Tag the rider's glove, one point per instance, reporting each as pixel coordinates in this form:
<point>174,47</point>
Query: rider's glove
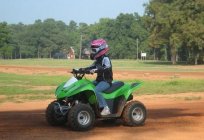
<point>92,71</point>
<point>82,69</point>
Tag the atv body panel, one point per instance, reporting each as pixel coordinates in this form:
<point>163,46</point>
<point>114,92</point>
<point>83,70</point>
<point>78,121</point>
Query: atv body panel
<point>116,96</point>
<point>77,103</point>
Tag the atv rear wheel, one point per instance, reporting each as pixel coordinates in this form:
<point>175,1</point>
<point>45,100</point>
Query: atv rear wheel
<point>81,117</point>
<point>134,114</point>
<point>53,118</point>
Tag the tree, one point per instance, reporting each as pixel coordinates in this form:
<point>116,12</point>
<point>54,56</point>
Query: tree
<point>170,24</point>
<point>121,34</point>
<point>6,50</point>
<point>193,28</point>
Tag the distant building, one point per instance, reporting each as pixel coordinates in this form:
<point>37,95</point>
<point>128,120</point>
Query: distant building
<point>86,54</point>
<point>71,54</point>
<point>59,55</point>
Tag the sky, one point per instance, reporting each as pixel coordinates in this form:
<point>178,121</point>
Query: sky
<point>87,11</point>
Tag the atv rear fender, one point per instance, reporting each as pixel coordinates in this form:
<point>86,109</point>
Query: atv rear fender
<point>132,88</point>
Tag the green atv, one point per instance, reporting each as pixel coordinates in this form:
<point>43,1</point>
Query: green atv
<point>77,104</point>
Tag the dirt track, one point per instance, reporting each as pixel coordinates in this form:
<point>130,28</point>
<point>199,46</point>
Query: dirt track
<point>169,118</point>
<point>118,74</point>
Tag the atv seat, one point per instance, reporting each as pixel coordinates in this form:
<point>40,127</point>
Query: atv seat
<point>114,87</point>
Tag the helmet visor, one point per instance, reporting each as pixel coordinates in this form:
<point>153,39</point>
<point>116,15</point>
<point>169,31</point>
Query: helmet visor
<point>95,50</point>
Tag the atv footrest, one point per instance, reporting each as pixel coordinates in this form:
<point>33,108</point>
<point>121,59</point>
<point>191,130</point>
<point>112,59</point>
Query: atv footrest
<point>110,116</point>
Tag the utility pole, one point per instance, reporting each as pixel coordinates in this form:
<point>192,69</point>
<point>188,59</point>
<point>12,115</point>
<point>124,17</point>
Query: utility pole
<point>166,57</point>
<point>80,47</point>
<point>20,51</point>
<point>38,51</point>
<point>137,48</point>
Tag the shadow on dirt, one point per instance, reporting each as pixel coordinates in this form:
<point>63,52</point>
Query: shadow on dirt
<point>36,118</point>
<point>167,63</point>
<point>32,125</point>
<point>170,112</point>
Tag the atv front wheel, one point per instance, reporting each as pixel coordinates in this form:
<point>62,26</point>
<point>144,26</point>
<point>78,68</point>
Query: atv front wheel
<point>134,114</point>
<point>54,118</point>
<point>81,117</point>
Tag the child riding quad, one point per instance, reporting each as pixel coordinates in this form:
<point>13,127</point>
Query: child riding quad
<point>80,102</point>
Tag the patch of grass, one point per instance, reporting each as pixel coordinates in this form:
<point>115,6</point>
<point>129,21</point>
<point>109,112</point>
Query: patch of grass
<point>55,63</point>
<point>191,98</point>
<point>37,97</point>
<point>172,83</point>
<point>11,98</point>
<point>2,100</point>
<point>19,88</point>
<point>32,80</point>
<point>171,86</point>
<point>127,64</point>
<point>24,98</point>
<point>12,85</point>
<point>15,90</point>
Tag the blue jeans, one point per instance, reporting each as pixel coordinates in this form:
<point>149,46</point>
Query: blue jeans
<point>101,86</point>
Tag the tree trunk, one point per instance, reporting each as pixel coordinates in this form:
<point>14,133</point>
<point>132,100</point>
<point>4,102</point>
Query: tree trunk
<point>38,53</point>
<point>173,55</point>
<point>20,54</point>
<point>166,55</point>
<point>50,55</point>
<point>196,59</point>
<point>173,59</point>
<point>15,55</point>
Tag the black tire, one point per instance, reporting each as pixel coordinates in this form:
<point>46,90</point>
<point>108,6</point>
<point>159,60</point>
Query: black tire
<point>81,117</point>
<point>52,117</point>
<point>134,114</point>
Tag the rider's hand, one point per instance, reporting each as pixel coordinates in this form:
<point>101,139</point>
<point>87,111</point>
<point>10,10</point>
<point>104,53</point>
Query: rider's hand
<point>82,69</point>
<point>92,71</point>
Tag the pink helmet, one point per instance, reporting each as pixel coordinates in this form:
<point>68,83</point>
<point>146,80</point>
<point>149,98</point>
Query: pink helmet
<point>99,47</point>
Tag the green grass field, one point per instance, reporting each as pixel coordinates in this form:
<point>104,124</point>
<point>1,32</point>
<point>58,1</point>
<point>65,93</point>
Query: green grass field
<point>19,88</point>
<point>117,64</point>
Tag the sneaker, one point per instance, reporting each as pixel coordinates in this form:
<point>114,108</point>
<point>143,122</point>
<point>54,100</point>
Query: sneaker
<point>105,111</point>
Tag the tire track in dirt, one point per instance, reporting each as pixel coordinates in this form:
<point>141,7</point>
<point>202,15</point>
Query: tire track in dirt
<point>167,119</point>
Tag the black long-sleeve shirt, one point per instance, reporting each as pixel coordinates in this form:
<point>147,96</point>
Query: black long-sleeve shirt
<point>103,68</point>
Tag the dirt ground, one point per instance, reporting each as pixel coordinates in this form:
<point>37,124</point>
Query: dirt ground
<point>170,117</point>
<point>118,74</point>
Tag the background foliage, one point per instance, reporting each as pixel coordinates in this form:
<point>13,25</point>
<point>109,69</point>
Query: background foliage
<point>171,30</point>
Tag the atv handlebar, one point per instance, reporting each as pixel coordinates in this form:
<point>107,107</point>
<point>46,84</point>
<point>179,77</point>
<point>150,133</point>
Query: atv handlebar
<point>79,73</point>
